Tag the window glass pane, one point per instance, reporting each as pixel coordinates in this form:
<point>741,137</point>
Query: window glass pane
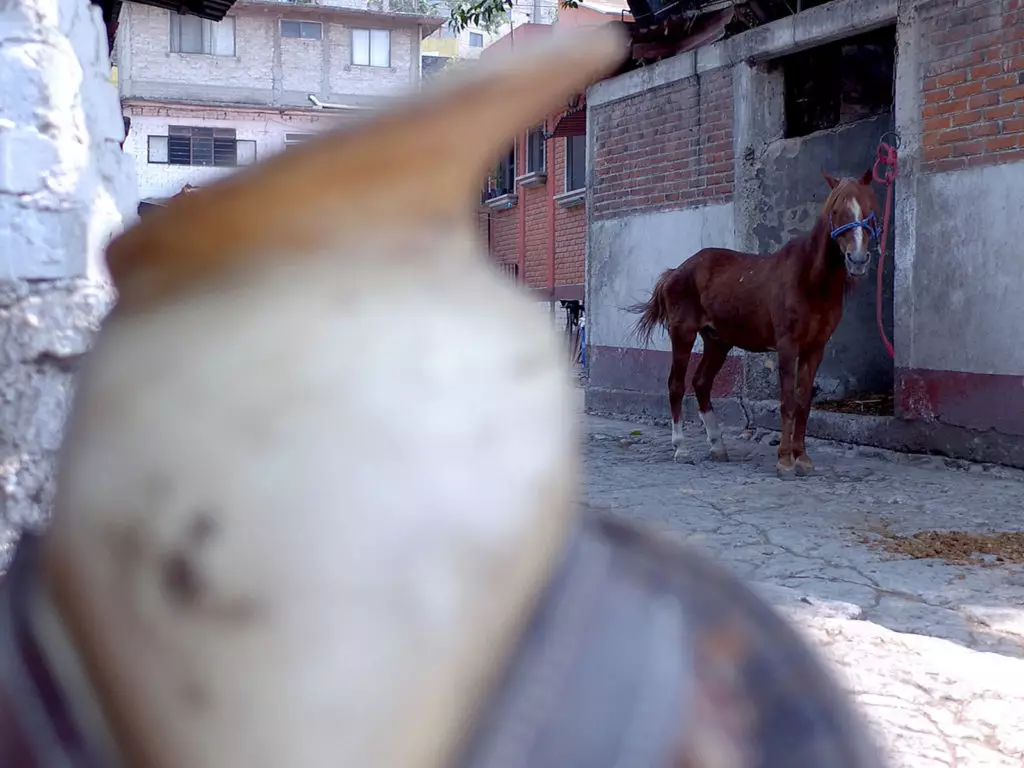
<point>179,130</point>
<point>535,151</point>
<point>158,149</point>
<point>226,133</point>
<point>380,48</point>
<point>190,38</point>
<point>361,47</point>
<point>179,150</point>
<point>476,40</point>
<point>291,28</point>
<point>224,152</point>
<point>202,151</point>
<point>576,162</point>
<point>223,34</point>
<point>246,152</point>
<point>310,30</point>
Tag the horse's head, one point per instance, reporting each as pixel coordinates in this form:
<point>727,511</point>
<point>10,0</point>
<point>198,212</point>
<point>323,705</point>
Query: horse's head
<point>853,219</point>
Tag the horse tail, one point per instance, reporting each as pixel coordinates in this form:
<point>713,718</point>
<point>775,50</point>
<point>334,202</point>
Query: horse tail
<point>654,311</point>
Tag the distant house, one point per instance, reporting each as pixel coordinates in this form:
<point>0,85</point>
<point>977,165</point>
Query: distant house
<point>204,97</point>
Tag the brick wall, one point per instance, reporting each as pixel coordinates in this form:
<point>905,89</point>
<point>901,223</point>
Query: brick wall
<point>570,227</point>
<point>670,147</point>
<point>972,57</point>
<point>534,203</point>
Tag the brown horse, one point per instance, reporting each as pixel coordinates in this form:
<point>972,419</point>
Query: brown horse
<point>790,301</point>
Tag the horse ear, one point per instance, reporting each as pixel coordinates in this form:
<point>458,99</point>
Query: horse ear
<point>868,176</point>
<point>832,180</point>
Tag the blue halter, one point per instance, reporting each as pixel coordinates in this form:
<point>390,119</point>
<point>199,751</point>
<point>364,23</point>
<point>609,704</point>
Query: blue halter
<point>870,223</point>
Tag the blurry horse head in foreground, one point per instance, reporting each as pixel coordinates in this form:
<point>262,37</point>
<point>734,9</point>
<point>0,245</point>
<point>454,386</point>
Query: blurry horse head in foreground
<point>315,505</point>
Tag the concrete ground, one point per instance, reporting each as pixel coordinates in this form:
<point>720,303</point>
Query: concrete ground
<point>933,651</point>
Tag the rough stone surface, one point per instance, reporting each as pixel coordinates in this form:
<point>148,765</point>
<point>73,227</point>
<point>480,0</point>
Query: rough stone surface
<point>934,653</point>
<point>65,189</point>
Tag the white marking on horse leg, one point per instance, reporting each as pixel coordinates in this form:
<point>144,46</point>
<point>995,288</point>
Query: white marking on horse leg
<point>714,434</point>
<point>858,232</point>
<point>681,454</point>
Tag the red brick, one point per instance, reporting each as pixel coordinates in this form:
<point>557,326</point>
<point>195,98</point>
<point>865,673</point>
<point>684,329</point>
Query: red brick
<point>983,100</point>
<point>999,143</point>
<point>983,129</point>
<point>952,78</point>
<point>986,70</point>
<point>1000,112</point>
<point>1012,94</point>
<point>951,136</point>
<point>1000,82</point>
<point>966,118</point>
<point>934,97</point>
<point>950,107</point>
<point>965,148</point>
<point>1013,126</point>
<point>937,153</point>
<point>972,89</point>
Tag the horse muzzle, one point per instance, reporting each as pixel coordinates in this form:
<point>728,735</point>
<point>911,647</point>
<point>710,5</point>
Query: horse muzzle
<point>857,263</point>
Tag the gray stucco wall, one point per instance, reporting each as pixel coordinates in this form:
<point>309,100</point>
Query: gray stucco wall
<point>786,190</point>
<point>968,310</point>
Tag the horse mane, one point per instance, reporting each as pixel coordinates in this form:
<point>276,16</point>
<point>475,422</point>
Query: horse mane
<point>840,194</point>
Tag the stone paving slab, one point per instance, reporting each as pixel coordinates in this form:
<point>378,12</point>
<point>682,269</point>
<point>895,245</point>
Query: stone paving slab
<point>933,651</point>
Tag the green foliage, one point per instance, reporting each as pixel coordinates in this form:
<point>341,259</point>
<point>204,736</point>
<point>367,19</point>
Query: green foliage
<point>487,14</point>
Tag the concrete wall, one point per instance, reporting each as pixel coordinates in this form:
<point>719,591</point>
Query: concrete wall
<point>266,68</point>
<point>64,187</point>
<point>789,191</point>
<point>267,129</point>
<point>960,107</point>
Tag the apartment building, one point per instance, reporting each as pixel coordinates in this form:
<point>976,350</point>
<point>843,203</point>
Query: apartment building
<point>203,98</point>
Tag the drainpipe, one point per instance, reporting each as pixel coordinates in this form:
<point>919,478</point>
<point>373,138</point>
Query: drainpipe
<point>329,105</point>
<point>522,210</point>
<point>549,154</point>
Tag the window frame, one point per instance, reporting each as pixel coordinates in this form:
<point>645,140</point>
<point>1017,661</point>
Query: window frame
<point>568,170</point>
<point>369,47</point>
<point>207,37</point>
<point>300,22</point>
<point>542,144</point>
<point>479,36</point>
<point>205,133</point>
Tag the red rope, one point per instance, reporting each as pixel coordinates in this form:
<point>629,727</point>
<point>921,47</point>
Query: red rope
<point>886,157</point>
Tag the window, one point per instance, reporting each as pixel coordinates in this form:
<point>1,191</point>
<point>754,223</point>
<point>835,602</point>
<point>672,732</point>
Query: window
<point>306,30</point>
<point>190,34</point>
<point>575,163</point>
<point>839,83</point>
<point>291,139</point>
<point>503,177</point>
<point>535,150</point>
<point>371,47</point>
<point>476,40</point>
<point>193,145</point>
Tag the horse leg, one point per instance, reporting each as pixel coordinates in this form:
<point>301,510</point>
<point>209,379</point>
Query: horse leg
<point>806,368</point>
<point>710,364</point>
<point>682,344</point>
<point>787,397</point>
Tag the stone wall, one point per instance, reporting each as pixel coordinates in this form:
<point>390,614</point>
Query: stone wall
<point>65,187</point>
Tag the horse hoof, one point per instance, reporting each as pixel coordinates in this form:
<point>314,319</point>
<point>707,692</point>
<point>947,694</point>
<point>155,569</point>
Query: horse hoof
<point>718,453</point>
<point>786,469</point>
<point>682,456</point>
<point>804,466</point>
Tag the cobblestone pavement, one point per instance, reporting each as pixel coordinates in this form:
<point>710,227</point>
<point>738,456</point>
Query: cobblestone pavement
<point>934,652</point>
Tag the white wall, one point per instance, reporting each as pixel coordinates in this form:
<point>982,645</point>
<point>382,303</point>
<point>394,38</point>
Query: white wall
<point>268,130</point>
<point>64,187</point>
<point>626,256</point>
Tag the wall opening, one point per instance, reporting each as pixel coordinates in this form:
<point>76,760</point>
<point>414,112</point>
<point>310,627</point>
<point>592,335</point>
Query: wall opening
<point>839,83</point>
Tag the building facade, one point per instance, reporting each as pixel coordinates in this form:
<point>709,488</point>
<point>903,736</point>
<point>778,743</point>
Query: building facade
<point>533,211</point>
<point>723,145</point>
<point>204,97</point>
